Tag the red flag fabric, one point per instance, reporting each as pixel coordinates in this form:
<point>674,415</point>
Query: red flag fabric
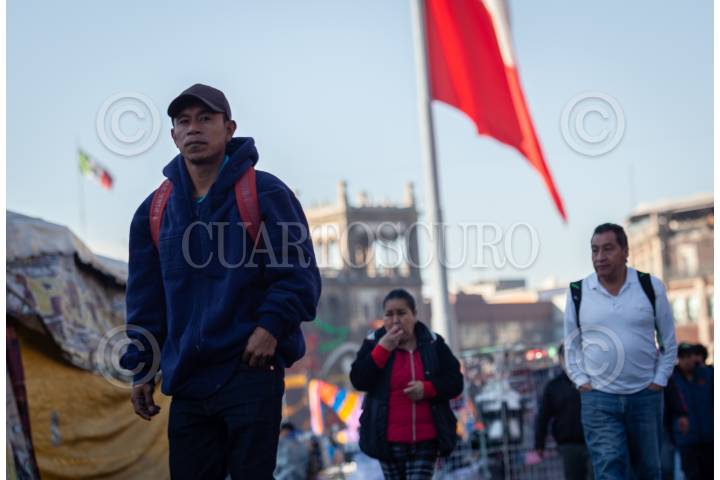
<point>471,67</point>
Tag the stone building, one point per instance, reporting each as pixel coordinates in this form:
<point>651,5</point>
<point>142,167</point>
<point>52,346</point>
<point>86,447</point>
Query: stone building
<point>528,323</point>
<point>364,250</point>
<point>674,241</point>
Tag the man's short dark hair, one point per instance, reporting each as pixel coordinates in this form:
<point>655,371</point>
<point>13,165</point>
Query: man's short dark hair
<point>612,227</point>
<point>699,349</point>
<point>685,350</point>
<point>289,426</point>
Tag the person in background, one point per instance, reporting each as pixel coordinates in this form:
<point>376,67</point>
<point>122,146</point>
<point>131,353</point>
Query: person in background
<point>674,411</point>
<point>695,384</point>
<point>561,406</point>
<point>292,455</point>
<point>315,462</point>
<point>700,354</point>
<point>410,375</point>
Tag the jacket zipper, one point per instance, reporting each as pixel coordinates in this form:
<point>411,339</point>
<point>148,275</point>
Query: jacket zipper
<point>412,376</point>
<point>196,321</point>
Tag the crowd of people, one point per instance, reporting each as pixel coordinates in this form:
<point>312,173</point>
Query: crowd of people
<point>225,335</point>
<point>637,396</point>
<point>687,433</point>
<point>650,402</point>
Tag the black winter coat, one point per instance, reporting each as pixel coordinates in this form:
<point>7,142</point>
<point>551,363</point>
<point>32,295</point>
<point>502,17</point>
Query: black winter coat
<point>561,404</point>
<point>441,368</point>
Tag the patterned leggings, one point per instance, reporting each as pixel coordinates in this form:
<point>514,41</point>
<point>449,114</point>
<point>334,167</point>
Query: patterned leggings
<point>411,461</point>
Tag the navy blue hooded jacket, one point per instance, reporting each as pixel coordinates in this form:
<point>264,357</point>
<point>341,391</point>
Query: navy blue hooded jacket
<point>698,398</point>
<point>202,293</point>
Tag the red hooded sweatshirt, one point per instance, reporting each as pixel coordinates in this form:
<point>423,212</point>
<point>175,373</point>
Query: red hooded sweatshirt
<point>408,421</point>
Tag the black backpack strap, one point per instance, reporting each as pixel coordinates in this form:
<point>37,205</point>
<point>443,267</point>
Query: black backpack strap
<point>646,283</point>
<point>576,293</point>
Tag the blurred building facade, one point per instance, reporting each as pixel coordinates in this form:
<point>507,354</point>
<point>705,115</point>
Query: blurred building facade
<point>524,321</point>
<point>364,249</point>
<point>674,241</point>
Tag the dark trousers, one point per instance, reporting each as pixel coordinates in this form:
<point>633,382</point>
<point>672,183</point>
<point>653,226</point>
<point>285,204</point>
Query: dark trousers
<point>697,460</point>
<point>667,457</point>
<point>576,461</point>
<point>234,431</point>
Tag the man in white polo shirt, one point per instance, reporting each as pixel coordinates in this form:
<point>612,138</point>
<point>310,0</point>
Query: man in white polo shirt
<point>620,351</point>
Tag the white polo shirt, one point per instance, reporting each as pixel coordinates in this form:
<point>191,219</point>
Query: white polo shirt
<point>615,349</point>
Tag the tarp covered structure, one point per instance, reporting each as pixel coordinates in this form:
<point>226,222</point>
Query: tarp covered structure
<point>66,420</point>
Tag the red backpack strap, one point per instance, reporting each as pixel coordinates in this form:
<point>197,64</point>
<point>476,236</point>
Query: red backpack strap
<point>247,202</point>
<point>157,208</point>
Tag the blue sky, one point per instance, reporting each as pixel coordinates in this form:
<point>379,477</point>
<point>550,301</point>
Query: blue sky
<point>327,88</point>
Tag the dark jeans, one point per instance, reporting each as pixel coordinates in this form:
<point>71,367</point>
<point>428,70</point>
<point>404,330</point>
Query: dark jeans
<point>234,431</point>
<point>620,427</point>
<point>576,461</point>
<point>667,457</point>
<point>697,460</point>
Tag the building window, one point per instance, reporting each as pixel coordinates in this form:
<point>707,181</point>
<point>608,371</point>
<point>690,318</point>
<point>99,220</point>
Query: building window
<point>334,259</point>
<point>334,313</point>
<point>687,260</point>
<point>388,255</point>
<point>693,309</point>
<point>679,307</point>
<point>711,306</point>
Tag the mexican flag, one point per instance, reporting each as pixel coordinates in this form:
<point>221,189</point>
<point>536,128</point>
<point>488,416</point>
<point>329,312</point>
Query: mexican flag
<point>91,168</point>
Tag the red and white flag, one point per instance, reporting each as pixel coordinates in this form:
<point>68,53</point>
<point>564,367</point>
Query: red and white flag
<point>472,67</point>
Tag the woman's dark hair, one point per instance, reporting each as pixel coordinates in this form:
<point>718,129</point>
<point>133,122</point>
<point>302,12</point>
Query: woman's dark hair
<point>617,229</point>
<point>400,294</point>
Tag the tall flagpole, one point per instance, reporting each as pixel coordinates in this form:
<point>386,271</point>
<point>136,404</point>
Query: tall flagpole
<point>81,192</point>
<point>83,222</point>
<point>441,314</point>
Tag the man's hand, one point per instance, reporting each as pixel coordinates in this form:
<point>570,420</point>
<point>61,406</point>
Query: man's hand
<point>683,425</point>
<point>585,387</point>
<point>392,338</point>
<point>655,387</point>
<point>142,400</point>
<point>415,391</point>
<point>260,348</point>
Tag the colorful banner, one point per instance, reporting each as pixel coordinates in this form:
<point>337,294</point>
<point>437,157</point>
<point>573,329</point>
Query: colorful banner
<point>345,403</point>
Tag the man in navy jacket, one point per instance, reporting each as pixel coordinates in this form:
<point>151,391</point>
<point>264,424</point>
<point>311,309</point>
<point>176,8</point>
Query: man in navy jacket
<point>695,439</point>
<point>222,312</point>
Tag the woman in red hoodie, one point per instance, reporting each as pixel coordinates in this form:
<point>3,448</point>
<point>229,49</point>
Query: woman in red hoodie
<point>410,375</point>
